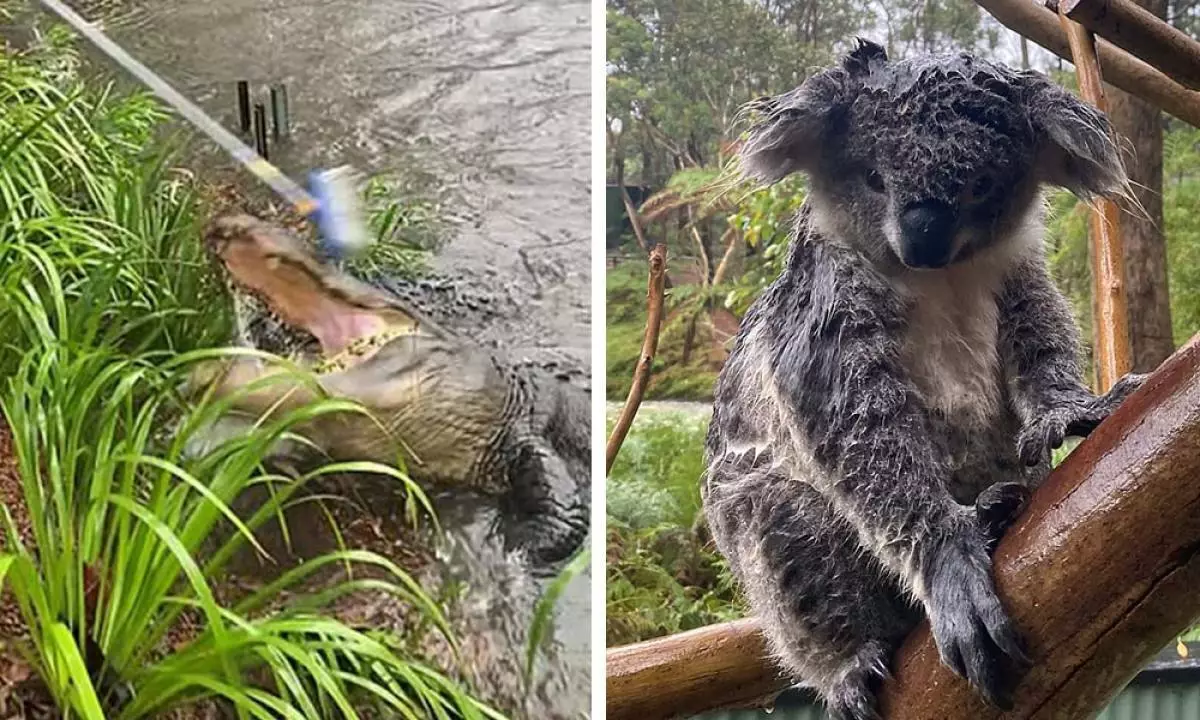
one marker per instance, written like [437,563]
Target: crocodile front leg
[548,516]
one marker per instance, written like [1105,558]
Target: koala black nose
[927,234]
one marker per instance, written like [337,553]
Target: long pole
[255,163]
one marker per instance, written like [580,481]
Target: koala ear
[788,129]
[1077,150]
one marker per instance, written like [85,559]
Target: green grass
[663,575]
[109,304]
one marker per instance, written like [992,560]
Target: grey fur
[867,405]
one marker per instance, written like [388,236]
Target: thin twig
[641,374]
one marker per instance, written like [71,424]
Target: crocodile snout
[277,267]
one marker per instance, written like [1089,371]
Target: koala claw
[853,697]
[972,631]
[998,507]
[1073,417]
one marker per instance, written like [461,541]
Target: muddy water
[486,104]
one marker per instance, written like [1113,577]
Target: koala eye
[874,180]
[979,190]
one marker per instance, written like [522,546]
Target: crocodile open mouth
[348,318]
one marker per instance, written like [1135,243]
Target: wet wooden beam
[1119,67]
[1099,574]
[1140,33]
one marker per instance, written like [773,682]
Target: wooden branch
[1098,574]
[635,219]
[722,665]
[1120,68]
[1111,322]
[641,374]
[1139,32]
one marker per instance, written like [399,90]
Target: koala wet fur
[891,400]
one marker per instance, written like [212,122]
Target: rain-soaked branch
[1139,32]
[641,374]
[1098,574]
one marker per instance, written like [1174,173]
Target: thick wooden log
[1140,33]
[1119,67]
[1099,574]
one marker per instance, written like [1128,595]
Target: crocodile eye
[874,180]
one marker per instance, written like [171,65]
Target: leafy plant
[663,575]
[404,226]
[116,549]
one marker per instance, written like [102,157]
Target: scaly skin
[458,414]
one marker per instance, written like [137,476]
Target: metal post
[243,93]
[281,124]
[260,130]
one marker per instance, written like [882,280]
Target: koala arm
[1039,349]
[1039,344]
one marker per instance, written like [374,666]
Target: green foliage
[655,479]
[764,218]
[404,226]
[928,26]
[679,72]
[124,529]
[663,576]
[1181,210]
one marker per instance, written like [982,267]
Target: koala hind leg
[830,614]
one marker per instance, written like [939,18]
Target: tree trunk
[1144,244]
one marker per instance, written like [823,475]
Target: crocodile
[454,412]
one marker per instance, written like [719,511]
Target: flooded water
[488,104]
[489,99]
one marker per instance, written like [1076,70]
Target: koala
[891,400]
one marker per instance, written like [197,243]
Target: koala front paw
[1072,416]
[974,635]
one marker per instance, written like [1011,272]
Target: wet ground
[482,105]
